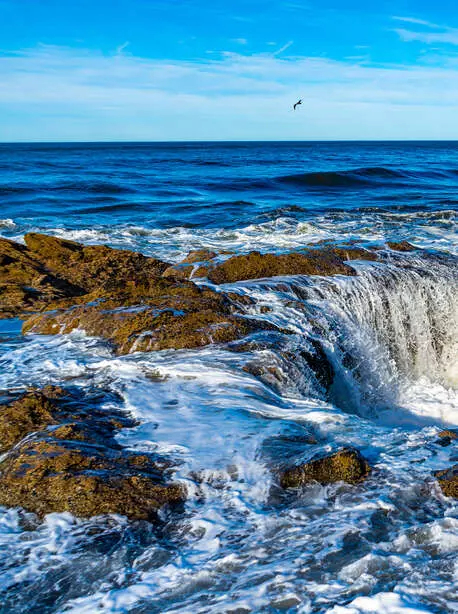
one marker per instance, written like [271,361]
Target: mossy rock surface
[401,246]
[346,465]
[61,455]
[448,481]
[323,261]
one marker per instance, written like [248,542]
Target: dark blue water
[220,185]
[390,332]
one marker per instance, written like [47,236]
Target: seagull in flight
[297,104]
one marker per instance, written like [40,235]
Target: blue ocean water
[390,334]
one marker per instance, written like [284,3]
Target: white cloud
[122,47]
[448,37]
[60,93]
[414,20]
[434,34]
[240,41]
[284,48]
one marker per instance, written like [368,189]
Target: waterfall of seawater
[364,338]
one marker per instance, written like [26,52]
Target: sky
[159,70]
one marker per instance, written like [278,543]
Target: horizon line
[220,141]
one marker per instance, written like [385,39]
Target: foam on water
[241,545]
[231,416]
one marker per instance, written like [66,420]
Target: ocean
[240,545]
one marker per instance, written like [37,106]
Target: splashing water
[368,361]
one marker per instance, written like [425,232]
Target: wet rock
[256,265]
[283,448]
[401,246]
[71,461]
[25,283]
[31,412]
[179,271]
[93,266]
[353,253]
[448,481]
[446,437]
[48,269]
[148,328]
[449,434]
[48,476]
[319,363]
[346,465]
[199,255]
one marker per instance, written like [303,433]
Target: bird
[297,103]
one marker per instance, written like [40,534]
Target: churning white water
[368,361]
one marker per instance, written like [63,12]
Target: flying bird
[297,104]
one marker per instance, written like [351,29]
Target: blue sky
[211,70]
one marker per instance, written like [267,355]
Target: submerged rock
[256,265]
[70,461]
[446,437]
[346,465]
[448,481]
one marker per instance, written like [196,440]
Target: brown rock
[164,314]
[25,284]
[449,434]
[94,266]
[178,271]
[346,465]
[47,476]
[146,330]
[70,460]
[448,481]
[199,255]
[31,412]
[256,265]
[401,246]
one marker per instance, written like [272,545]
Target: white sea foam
[388,545]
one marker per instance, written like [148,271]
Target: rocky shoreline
[59,448]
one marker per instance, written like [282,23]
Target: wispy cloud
[240,41]
[431,33]
[284,48]
[122,47]
[414,20]
[69,93]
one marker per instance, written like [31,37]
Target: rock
[49,476]
[199,255]
[165,315]
[319,363]
[346,465]
[48,269]
[187,267]
[25,284]
[31,412]
[93,267]
[446,437]
[448,481]
[179,271]
[401,246]
[71,461]
[449,434]
[256,265]
[353,253]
